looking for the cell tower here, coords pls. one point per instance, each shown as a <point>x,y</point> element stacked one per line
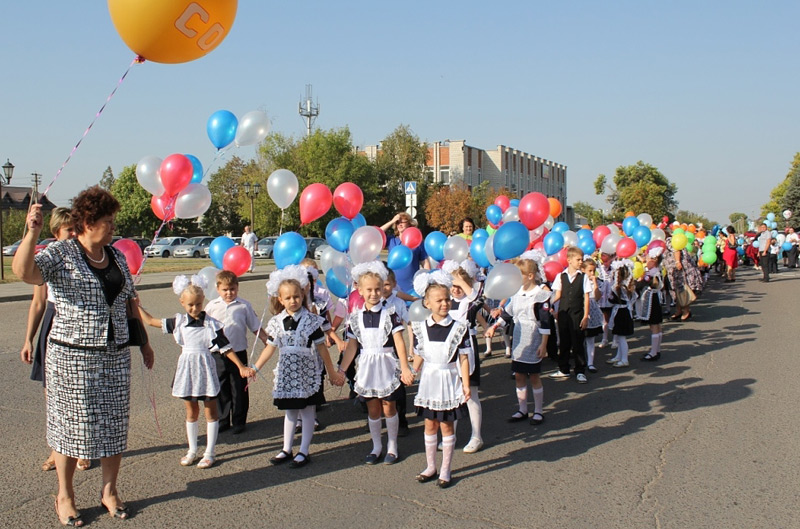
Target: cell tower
<point>308,110</point>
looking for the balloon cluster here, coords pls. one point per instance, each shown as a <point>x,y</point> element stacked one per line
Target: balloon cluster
<point>223,128</point>
<point>175,185</point>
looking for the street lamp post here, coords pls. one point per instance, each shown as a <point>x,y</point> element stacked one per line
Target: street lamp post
<point>5,178</point>
<point>252,191</point>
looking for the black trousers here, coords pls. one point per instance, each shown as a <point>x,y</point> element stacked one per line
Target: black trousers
<point>792,255</point>
<point>763,262</point>
<point>773,263</point>
<point>233,400</point>
<point>570,338</point>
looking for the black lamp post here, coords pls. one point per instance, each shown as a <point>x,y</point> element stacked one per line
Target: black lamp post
<point>252,191</point>
<point>5,178</point>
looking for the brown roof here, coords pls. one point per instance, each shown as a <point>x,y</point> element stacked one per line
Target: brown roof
<point>20,198</point>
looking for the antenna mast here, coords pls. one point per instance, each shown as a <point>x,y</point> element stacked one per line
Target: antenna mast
<point>308,110</point>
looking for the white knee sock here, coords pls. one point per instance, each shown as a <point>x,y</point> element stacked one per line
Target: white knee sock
<point>658,337</point>
<point>289,423</point>
<point>392,425</point>
<point>488,345</point>
<point>589,342</point>
<point>507,342</point>
<point>622,348</point>
<point>448,447</point>
<point>212,429</point>
<point>375,433</point>
<point>191,435</point>
<point>475,412</point>
<point>653,344</point>
<point>430,454</point>
<point>522,398</point>
<point>605,334</point>
<point>538,400</point>
<point>307,415</point>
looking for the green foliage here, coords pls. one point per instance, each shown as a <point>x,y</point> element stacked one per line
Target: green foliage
<point>593,215</point>
<point>640,188</point>
<point>14,225</point>
<point>791,199</point>
<point>776,195</point>
<point>737,217</point>
<point>107,180</point>
<point>401,158</point>
<point>227,211</point>
<point>135,218</point>
<point>687,217</point>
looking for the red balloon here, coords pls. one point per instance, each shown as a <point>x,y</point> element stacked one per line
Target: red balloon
<point>599,234</point>
<point>552,269</point>
<point>176,172</point>
<point>348,199</point>
<point>163,206</point>
<point>626,247</point>
<point>502,202</point>
<point>132,253</point>
<point>539,245</point>
<point>315,201</point>
<point>534,208</point>
<point>665,219</point>
<point>237,260</point>
<point>555,207</point>
<point>562,257</point>
<point>411,237</point>
<point>656,244</point>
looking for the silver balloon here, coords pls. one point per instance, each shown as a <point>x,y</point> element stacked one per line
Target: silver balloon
<point>609,244</point>
<point>614,228</point>
<point>331,258</point>
<point>549,222</point>
<point>147,175</point>
<point>657,234</point>
<point>536,234</point>
<point>210,273</point>
<point>488,249</point>
<point>365,244</point>
<point>417,312</point>
<point>570,238</point>
<point>511,214</point>
<point>193,201</point>
<point>282,187</point>
<point>645,220</point>
<point>456,248</point>
<point>503,281</point>
<point>787,214</point>
<point>252,128</point>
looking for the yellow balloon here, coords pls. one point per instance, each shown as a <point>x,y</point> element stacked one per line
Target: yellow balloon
<point>638,270</point>
<point>172,31</point>
<point>679,241</point>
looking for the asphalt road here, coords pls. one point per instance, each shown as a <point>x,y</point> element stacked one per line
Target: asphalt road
<point>707,437</point>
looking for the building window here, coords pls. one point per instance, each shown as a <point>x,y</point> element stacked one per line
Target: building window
<point>444,176</point>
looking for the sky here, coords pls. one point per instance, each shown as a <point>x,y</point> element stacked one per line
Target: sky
<point>704,91</point>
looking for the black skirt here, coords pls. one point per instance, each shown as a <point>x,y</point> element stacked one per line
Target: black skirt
<point>316,399</point>
<point>442,415</point>
<point>623,322</point>
<point>37,371</point>
<point>524,368</point>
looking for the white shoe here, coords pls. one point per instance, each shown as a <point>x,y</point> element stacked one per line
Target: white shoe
<point>440,446</point>
<point>620,363</point>
<point>559,375</point>
<point>473,446</point>
<point>581,378</point>
<point>612,360</point>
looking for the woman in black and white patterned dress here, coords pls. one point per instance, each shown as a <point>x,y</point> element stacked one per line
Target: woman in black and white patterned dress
<point>88,361</point>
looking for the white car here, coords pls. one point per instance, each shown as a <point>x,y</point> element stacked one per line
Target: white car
<point>193,247</point>
<point>164,246</point>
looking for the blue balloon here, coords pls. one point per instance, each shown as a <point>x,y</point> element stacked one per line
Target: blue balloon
<point>770,217</point>
<point>434,244</point>
<point>514,203</point>
<point>774,234</point>
<point>714,231</point>
<point>587,245</point>
<point>773,225</point>
<point>630,224</point>
<point>740,250</point>
<point>755,244</point>
<point>478,252</point>
<point>197,169</point>
<point>740,240</point>
<point>338,233</point>
<point>494,214</point>
<point>358,221</point>
<point>584,233</point>
<point>560,227</point>
<point>786,246</point>
<point>510,240</point>
<point>221,128</point>
<point>399,257</point>
<point>553,242</point>
<point>290,248</point>
<point>641,235</point>
<point>480,233</point>
<point>335,286</point>
<point>217,249</point>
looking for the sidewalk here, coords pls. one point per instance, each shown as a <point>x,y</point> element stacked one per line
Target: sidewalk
<point>19,291</point>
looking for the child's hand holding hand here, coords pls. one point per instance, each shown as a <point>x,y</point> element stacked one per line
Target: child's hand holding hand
<point>247,372</point>
<point>406,377</point>
<point>489,333</point>
<point>467,391</point>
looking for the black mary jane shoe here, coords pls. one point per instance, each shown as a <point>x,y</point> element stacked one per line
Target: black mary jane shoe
<point>372,459</point>
<point>651,358</point>
<point>282,457</point>
<point>535,421</point>
<point>518,416</point>
<point>442,484</point>
<point>303,462</point>
<point>422,478</point>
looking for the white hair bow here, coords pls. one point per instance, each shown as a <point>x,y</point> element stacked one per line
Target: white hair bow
<point>376,267</point>
<point>467,265</point>
<point>423,279</point>
<point>296,272</point>
<point>180,283</point>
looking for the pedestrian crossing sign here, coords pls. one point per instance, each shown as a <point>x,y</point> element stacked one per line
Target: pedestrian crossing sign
<point>411,188</point>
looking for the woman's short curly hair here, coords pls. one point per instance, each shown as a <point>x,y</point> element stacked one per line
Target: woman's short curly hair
<point>91,205</point>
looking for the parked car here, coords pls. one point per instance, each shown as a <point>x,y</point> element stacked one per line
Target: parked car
<point>11,249</point>
<point>193,247</point>
<point>237,240</point>
<point>313,243</point>
<point>265,246</point>
<point>44,243</point>
<point>141,241</point>
<point>164,246</point>
<point>318,251</point>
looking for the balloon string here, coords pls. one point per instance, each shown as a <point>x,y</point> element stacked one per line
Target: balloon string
<point>137,60</point>
<point>220,154</point>
<point>164,222</point>
<point>280,228</point>
<point>148,389</point>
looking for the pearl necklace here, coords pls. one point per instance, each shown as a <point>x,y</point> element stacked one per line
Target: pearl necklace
<point>95,261</point>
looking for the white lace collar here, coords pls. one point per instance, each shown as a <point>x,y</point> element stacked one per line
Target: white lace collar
<point>444,323</point>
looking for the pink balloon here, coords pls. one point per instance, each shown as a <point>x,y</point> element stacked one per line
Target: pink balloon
<point>502,202</point>
<point>132,253</point>
<point>383,235</point>
<point>534,208</point>
<point>626,247</point>
<point>411,237</point>
<point>599,234</point>
<point>354,301</point>
<point>163,206</point>
<point>656,244</point>
<point>315,201</point>
<point>552,269</point>
<point>348,199</point>
<point>237,260</point>
<point>176,172</point>
<point>562,257</point>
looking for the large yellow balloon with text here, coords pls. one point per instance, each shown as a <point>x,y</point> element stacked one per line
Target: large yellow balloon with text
<point>172,31</point>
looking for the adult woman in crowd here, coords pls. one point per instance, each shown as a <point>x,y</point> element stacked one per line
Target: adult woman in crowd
<point>42,311</point>
<point>467,229</point>
<point>730,255</point>
<point>684,279</point>
<point>88,361</point>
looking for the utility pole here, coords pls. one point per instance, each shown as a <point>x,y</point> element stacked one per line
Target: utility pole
<point>308,110</point>
<point>36,181</point>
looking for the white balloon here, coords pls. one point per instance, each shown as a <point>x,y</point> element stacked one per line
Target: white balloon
<point>536,234</point>
<point>147,174</point>
<point>193,201</point>
<point>365,244</point>
<point>252,128</point>
<point>549,223</point>
<point>645,220</point>
<point>781,238</point>
<point>787,214</point>
<point>488,249</point>
<point>282,187</point>
<point>417,311</point>
<point>658,234</point>
<point>609,244</point>
<point>210,273</point>
<point>331,258</point>
<point>456,248</point>
<point>503,281</point>
<point>570,238</point>
<point>614,228</point>
<point>511,214</point>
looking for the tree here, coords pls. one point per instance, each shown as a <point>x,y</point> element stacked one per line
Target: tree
<point>791,199</point>
<point>107,180</point>
<point>401,158</point>
<point>640,188</point>
<point>225,213</point>
<point>687,217</point>
<point>446,206</point>
<point>593,215</point>
<point>777,193</point>
<point>736,217</point>
<point>135,218</point>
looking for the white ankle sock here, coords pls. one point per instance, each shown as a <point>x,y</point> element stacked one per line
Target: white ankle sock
<point>375,433</point>
<point>392,425</point>
<point>191,435</point>
<point>212,429</point>
<point>538,400</point>
<point>522,399</point>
